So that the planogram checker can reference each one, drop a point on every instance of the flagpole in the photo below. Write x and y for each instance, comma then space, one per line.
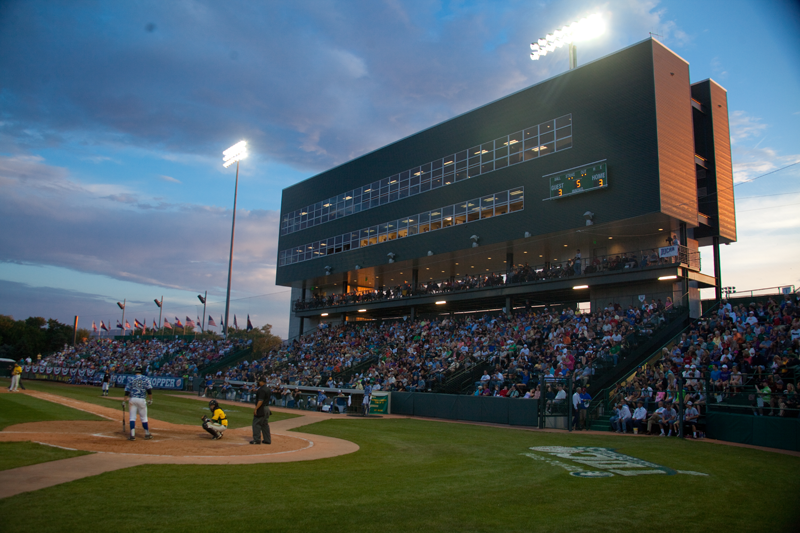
202, 324
160, 310
124, 303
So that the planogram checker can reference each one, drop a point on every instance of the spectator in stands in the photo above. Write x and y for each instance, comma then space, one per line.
655, 418
690, 416
624, 420
669, 418
639, 417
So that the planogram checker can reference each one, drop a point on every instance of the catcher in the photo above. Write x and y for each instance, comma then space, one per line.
218, 422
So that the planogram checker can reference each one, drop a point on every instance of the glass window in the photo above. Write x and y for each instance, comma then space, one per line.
501, 198
436, 224
476, 161
426, 186
414, 180
563, 144
436, 173
546, 149
383, 228
426, 167
566, 120
382, 237
436, 164
461, 156
461, 165
564, 132
402, 233
424, 217
502, 142
403, 194
461, 175
513, 159
546, 138
545, 127
436, 183
531, 152
402, 176
448, 161
413, 190
500, 209
500, 163
487, 167
412, 229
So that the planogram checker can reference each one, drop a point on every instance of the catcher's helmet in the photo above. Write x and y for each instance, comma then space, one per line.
213, 405
137, 370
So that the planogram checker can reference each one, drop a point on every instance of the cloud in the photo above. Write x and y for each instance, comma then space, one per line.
169, 179
310, 87
181, 246
744, 126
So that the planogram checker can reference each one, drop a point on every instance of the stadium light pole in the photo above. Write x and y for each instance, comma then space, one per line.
232, 155
581, 30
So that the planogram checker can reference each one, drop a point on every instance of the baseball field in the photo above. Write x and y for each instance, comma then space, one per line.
339, 473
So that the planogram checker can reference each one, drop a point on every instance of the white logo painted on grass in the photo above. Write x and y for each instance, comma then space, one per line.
599, 462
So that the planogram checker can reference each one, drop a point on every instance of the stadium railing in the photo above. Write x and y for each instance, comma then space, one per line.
613, 263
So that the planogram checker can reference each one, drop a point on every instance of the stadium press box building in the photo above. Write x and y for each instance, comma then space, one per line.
613, 159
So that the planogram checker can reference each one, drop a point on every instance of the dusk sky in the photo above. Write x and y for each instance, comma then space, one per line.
114, 116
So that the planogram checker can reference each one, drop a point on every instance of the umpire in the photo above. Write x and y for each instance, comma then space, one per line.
261, 414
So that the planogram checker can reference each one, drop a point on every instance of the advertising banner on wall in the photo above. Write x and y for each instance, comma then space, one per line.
160, 382
379, 403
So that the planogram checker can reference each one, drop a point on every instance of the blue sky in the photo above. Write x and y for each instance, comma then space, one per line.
113, 117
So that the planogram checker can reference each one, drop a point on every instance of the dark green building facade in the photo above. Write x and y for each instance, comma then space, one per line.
602, 159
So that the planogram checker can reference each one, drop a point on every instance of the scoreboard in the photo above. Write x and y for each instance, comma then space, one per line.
578, 180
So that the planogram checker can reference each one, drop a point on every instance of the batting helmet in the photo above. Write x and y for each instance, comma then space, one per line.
213, 405
137, 370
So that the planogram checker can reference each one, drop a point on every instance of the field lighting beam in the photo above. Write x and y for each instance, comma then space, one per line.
232, 155
581, 30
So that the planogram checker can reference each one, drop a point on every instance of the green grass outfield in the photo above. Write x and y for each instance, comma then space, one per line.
415, 475
165, 406
17, 454
17, 408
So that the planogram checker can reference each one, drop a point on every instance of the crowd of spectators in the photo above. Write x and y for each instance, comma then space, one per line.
420, 355
157, 357
742, 357
522, 273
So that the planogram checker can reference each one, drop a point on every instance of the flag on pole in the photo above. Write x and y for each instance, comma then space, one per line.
155, 326
235, 325
221, 322
199, 321
127, 325
211, 321
249, 324
190, 323
137, 324
94, 326
103, 326
167, 324
178, 322
119, 326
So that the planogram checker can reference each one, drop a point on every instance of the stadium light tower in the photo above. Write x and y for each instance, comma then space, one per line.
581, 30
232, 155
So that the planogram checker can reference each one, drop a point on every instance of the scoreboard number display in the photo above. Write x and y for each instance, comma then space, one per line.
578, 180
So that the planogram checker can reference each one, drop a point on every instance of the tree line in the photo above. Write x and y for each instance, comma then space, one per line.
35, 335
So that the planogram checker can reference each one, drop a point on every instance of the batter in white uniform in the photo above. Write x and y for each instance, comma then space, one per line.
135, 391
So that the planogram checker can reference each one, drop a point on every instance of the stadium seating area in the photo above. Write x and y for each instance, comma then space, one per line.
158, 357
743, 359
419, 355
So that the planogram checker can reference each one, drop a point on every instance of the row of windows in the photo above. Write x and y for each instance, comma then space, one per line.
537, 141
473, 210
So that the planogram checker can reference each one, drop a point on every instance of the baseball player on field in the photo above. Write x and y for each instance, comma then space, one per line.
106, 379
135, 391
218, 422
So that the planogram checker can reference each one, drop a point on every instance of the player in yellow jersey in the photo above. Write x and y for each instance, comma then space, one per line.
218, 422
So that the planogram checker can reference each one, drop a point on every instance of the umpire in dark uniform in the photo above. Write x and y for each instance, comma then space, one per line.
261, 414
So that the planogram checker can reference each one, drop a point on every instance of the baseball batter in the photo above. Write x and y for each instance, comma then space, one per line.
135, 391
218, 422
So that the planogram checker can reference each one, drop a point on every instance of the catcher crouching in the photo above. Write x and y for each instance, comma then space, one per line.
218, 422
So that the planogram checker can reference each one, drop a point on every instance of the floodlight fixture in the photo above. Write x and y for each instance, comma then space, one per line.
234, 154
582, 30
